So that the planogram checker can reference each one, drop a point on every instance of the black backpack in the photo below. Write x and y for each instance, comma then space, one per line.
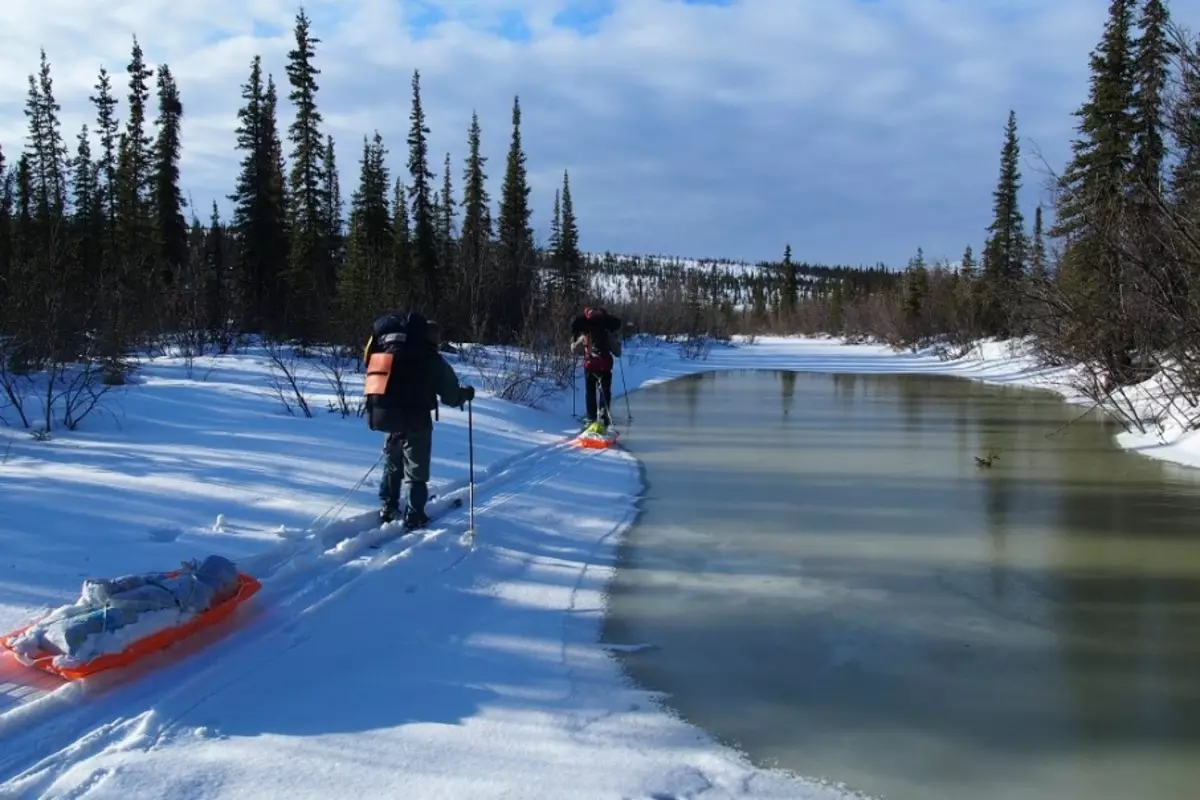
398, 369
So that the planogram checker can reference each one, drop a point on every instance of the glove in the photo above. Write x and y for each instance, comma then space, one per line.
468, 394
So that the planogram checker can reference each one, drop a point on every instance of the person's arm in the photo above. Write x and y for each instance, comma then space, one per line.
445, 383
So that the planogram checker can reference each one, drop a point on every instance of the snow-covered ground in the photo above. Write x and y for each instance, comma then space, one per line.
430, 667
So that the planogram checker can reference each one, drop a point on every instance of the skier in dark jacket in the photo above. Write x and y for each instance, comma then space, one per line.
596, 337
405, 376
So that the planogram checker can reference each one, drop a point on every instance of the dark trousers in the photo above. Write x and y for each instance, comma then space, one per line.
408, 459
599, 383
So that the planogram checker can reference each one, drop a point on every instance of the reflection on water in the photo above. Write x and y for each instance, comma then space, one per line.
836, 587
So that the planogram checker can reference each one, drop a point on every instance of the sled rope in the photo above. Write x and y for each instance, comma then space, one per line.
335, 508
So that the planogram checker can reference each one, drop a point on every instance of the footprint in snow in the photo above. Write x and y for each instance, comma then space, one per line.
165, 535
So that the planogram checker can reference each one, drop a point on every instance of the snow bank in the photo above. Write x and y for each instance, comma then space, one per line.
423, 668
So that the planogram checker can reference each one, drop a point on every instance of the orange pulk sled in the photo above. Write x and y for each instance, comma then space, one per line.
197, 596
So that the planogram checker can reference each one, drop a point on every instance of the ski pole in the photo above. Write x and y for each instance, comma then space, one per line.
625, 389
471, 460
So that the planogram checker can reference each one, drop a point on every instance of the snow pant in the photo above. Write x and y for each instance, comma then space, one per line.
599, 382
408, 458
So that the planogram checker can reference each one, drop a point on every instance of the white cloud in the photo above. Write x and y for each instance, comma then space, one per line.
855, 130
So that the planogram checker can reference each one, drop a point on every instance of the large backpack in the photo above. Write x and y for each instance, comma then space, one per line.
398, 380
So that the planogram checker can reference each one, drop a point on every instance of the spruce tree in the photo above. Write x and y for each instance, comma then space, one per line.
1151, 70
515, 238
259, 217
476, 235
791, 286
1092, 205
555, 242
218, 280
454, 314
89, 224
1185, 126
420, 192
134, 161
367, 274
402, 286
1038, 269
1005, 253
170, 226
332, 219
569, 258
108, 129
49, 269
308, 274
47, 145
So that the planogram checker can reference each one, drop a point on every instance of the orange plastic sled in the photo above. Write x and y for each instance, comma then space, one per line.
247, 587
596, 442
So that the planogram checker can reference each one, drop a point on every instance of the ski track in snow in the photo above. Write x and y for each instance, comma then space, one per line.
295, 586
429, 667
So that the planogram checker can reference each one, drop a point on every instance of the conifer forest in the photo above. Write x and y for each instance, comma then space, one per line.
104, 262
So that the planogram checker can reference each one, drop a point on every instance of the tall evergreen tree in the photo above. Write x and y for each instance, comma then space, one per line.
108, 129
555, 243
569, 258
332, 220
1038, 268
402, 285
364, 293
134, 160
420, 192
170, 225
791, 285
259, 217
1151, 70
1005, 253
218, 279
476, 236
89, 222
1185, 126
1092, 205
309, 277
47, 145
515, 237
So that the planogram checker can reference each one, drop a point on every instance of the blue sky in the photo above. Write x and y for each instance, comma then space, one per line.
855, 130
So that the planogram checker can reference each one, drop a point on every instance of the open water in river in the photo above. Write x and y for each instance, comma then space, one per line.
834, 586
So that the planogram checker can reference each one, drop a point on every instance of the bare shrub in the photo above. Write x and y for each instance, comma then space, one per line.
696, 347
15, 382
79, 388
284, 377
336, 363
539, 363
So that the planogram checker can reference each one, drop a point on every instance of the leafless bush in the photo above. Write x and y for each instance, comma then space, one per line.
284, 378
539, 363
186, 344
80, 388
14, 382
335, 363
696, 348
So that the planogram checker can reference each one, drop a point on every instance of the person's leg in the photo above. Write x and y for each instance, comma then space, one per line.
393, 471
591, 395
606, 392
418, 452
